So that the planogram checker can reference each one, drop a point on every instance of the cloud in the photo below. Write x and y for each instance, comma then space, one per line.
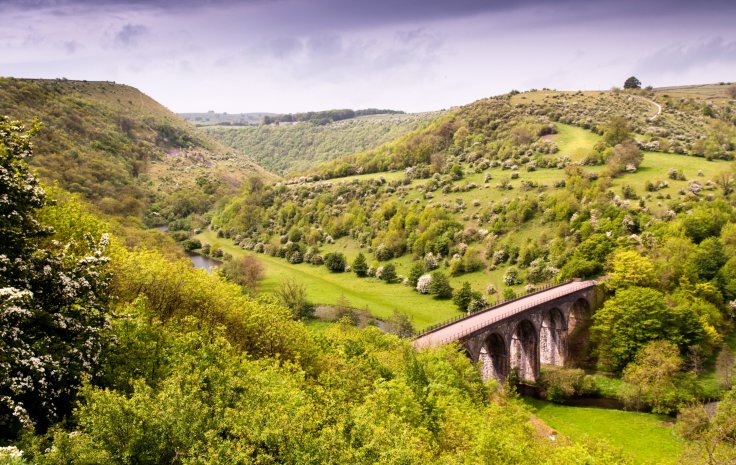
71, 46
680, 58
282, 47
129, 35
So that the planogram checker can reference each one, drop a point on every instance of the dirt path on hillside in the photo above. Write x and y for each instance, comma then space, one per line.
659, 108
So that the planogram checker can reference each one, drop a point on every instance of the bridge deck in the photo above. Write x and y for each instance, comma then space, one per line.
479, 321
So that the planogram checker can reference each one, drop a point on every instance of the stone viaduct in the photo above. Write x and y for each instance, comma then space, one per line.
547, 327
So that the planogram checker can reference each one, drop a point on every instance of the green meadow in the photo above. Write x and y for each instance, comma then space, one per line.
646, 438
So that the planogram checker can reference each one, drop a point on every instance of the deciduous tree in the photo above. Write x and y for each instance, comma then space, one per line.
439, 286
656, 379
636, 316
632, 83
53, 297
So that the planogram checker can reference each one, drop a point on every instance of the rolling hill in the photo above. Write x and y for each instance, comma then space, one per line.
298, 147
122, 150
504, 193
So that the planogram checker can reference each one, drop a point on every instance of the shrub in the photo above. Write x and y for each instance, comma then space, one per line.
388, 274
440, 287
559, 384
294, 296
625, 156
423, 283
335, 262
245, 271
512, 276
465, 296
430, 261
417, 270
383, 253
477, 304
400, 324
191, 244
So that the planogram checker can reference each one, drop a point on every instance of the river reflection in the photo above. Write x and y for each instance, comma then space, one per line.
204, 263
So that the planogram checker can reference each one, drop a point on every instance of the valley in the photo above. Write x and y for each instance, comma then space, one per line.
368, 233
409, 219
296, 147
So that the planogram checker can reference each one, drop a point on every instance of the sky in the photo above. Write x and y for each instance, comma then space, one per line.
412, 55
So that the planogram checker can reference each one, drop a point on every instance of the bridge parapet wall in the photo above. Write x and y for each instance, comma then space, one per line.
523, 339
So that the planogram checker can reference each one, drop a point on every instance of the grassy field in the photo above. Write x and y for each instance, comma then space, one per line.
645, 437
324, 287
388, 176
654, 168
574, 142
715, 92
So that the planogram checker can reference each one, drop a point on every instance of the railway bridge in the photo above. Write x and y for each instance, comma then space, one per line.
546, 327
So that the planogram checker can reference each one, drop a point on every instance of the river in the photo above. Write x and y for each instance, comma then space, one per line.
204, 263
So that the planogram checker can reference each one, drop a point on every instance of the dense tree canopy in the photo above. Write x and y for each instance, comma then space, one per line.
635, 316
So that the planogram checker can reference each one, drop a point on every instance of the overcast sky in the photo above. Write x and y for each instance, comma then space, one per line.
413, 55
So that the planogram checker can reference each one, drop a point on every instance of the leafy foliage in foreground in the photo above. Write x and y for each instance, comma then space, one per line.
374, 401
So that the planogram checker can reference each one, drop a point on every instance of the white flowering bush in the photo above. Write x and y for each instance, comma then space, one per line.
423, 283
11, 455
512, 277
430, 261
52, 297
379, 272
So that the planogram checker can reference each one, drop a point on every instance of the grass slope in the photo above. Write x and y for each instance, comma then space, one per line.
703, 92
297, 147
118, 147
643, 436
324, 287
381, 299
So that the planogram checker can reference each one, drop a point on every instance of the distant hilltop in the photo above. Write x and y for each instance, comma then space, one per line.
251, 119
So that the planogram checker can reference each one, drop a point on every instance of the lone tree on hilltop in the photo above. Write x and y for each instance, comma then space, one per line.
632, 83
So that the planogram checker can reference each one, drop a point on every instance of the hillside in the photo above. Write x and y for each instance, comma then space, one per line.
212, 118
122, 150
483, 203
688, 124
504, 193
121, 356
297, 147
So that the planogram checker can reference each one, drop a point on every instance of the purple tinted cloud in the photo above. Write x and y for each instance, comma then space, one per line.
130, 35
680, 57
295, 55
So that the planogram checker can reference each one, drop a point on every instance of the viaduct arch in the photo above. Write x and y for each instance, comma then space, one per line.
549, 327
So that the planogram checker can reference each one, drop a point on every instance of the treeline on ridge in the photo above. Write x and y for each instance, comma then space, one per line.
325, 117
